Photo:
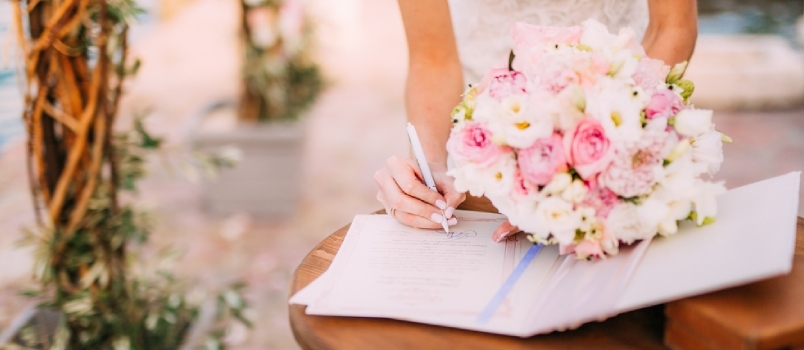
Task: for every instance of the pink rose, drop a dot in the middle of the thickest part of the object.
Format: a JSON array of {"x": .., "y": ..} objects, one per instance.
[
  {"x": 664, "y": 104},
  {"x": 528, "y": 35},
  {"x": 542, "y": 160},
  {"x": 588, "y": 148},
  {"x": 522, "y": 187},
  {"x": 501, "y": 83},
  {"x": 473, "y": 143},
  {"x": 602, "y": 200},
  {"x": 650, "y": 72}
]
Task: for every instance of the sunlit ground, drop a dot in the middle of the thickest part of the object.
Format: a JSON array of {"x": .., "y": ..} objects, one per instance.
[{"x": 190, "y": 60}]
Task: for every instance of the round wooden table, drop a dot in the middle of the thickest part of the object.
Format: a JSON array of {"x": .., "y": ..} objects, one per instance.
[{"x": 640, "y": 329}]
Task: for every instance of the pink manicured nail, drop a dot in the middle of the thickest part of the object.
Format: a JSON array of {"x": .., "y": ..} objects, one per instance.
[
  {"x": 452, "y": 221},
  {"x": 437, "y": 218},
  {"x": 502, "y": 237},
  {"x": 441, "y": 205},
  {"x": 448, "y": 213}
]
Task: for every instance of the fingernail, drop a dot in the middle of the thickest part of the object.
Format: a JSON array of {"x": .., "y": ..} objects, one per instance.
[
  {"x": 452, "y": 221},
  {"x": 448, "y": 213},
  {"x": 502, "y": 237},
  {"x": 437, "y": 218},
  {"x": 441, "y": 205}
]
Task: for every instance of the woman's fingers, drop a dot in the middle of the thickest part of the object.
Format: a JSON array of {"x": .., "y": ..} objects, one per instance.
[
  {"x": 505, "y": 230},
  {"x": 447, "y": 186},
  {"x": 405, "y": 208},
  {"x": 405, "y": 173}
]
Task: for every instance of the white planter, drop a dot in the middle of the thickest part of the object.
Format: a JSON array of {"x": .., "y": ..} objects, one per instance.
[{"x": 267, "y": 181}]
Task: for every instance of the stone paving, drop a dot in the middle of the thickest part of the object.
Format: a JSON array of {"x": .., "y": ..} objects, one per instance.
[{"x": 191, "y": 60}]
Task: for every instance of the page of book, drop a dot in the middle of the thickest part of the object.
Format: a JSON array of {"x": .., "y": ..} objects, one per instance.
[{"x": 386, "y": 269}]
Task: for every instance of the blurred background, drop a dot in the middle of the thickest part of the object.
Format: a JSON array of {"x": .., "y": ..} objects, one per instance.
[{"x": 748, "y": 66}]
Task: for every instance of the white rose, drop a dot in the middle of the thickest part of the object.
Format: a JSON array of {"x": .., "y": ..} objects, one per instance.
[
  {"x": 626, "y": 223},
  {"x": 554, "y": 216},
  {"x": 707, "y": 151},
  {"x": 705, "y": 199},
  {"x": 693, "y": 122}
]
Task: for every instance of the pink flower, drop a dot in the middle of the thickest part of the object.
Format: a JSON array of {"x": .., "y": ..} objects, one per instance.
[
  {"x": 600, "y": 199},
  {"x": 473, "y": 143},
  {"x": 588, "y": 148},
  {"x": 542, "y": 160},
  {"x": 522, "y": 187},
  {"x": 664, "y": 104},
  {"x": 502, "y": 83},
  {"x": 634, "y": 168},
  {"x": 528, "y": 35},
  {"x": 650, "y": 72}
]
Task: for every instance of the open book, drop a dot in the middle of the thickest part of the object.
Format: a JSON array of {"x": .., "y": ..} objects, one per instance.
[{"x": 465, "y": 280}]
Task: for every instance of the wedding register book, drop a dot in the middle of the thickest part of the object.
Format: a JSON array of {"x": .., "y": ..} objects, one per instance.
[{"x": 463, "y": 279}]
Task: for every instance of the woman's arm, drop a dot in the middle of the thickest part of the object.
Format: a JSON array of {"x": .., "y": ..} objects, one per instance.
[
  {"x": 434, "y": 87},
  {"x": 435, "y": 80},
  {"x": 672, "y": 30}
]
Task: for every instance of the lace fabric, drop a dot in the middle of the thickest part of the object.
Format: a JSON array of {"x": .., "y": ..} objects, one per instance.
[{"x": 482, "y": 26}]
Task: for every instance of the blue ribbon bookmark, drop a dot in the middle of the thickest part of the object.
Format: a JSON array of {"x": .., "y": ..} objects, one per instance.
[{"x": 498, "y": 298}]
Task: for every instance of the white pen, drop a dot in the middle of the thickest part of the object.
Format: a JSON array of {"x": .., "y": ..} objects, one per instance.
[{"x": 418, "y": 152}]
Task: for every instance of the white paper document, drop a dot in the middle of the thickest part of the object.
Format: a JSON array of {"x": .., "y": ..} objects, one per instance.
[{"x": 385, "y": 269}]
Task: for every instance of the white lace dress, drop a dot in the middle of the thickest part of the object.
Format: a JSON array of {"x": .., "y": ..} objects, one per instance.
[{"x": 482, "y": 26}]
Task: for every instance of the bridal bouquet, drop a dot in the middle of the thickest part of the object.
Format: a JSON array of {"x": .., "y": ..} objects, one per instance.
[{"x": 584, "y": 141}]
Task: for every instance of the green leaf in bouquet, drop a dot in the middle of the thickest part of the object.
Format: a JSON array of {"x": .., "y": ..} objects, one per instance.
[
  {"x": 706, "y": 221},
  {"x": 687, "y": 88},
  {"x": 676, "y": 73},
  {"x": 725, "y": 138}
]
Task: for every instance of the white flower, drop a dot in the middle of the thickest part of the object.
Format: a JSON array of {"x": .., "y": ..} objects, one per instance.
[
  {"x": 557, "y": 185},
  {"x": 496, "y": 179},
  {"x": 523, "y": 119},
  {"x": 554, "y": 216},
  {"x": 707, "y": 151},
  {"x": 575, "y": 192},
  {"x": 588, "y": 220},
  {"x": 627, "y": 222},
  {"x": 705, "y": 199},
  {"x": 571, "y": 103},
  {"x": 693, "y": 122},
  {"x": 616, "y": 106},
  {"x": 624, "y": 65},
  {"x": 486, "y": 108},
  {"x": 596, "y": 35},
  {"x": 462, "y": 180}
]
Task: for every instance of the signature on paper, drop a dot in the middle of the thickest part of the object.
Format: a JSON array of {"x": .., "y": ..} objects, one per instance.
[{"x": 454, "y": 235}]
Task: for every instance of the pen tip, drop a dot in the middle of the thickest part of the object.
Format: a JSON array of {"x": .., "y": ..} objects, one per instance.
[{"x": 445, "y": 226}]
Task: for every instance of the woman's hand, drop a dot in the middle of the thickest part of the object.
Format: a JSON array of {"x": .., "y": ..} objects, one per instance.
[
  {"x": 407, "y": 199},
  {"x": 505, "y": 230}
]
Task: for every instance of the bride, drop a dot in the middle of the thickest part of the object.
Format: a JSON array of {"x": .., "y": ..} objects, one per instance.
[{"x": 452, "y": 42}]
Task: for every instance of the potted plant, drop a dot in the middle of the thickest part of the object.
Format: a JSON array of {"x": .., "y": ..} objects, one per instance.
[
  {"x": 280, "y": 82},
  {"x": 75, "y": 63}
]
